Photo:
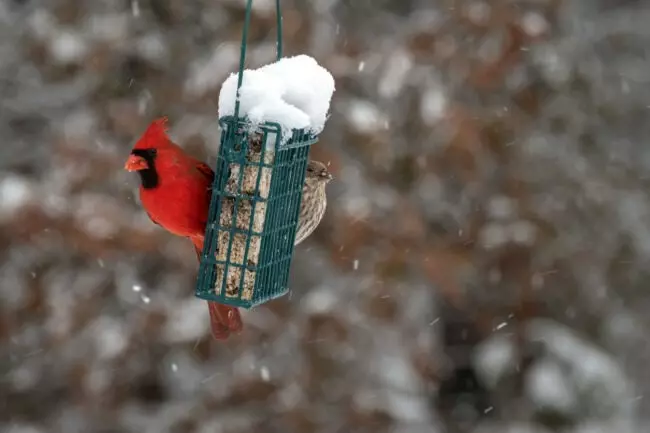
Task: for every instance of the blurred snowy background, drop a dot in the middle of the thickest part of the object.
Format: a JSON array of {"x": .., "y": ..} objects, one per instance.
[{"x": 482, "y": 266}]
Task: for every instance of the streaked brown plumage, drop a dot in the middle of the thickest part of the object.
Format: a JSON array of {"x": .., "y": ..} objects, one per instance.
[{"x": 314, "y": 199}]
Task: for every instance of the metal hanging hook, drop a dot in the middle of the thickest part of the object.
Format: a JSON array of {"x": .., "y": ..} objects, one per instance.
[{"x": 244, "y": 43}]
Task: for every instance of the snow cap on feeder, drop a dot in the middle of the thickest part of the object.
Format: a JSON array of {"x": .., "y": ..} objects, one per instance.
[{"x": 294, "y": 92}]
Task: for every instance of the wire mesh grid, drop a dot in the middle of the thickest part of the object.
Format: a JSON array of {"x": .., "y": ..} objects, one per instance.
[{"x": 254, "y": 213}]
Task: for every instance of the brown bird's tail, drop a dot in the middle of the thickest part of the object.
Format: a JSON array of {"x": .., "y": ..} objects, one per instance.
[{"x": 224, "y": 319}]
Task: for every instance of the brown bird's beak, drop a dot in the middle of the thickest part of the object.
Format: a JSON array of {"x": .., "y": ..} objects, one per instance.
[{"x": 135, "y": 163}]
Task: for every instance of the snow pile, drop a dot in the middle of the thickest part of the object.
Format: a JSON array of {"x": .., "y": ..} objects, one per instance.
[
  {"x": 294, "y": 92},
  {"x": 567, "y": 374},
  {"x": 16, "y": 192}
]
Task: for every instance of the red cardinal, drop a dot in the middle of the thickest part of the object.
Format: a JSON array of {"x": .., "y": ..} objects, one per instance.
[{"x": 175, "y": 192}]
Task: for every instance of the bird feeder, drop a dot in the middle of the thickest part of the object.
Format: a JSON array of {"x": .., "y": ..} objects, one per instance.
[{"x": 255, "y": 204}]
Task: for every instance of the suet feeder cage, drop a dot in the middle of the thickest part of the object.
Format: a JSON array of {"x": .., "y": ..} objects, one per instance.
[{"x": 255, "y": 204}]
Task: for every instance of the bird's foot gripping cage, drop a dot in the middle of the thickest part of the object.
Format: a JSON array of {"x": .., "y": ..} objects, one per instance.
[{"x": 255, "y": 206}]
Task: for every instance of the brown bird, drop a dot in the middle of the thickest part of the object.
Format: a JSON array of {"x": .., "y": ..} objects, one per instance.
[{"x": 314, "y": 199}]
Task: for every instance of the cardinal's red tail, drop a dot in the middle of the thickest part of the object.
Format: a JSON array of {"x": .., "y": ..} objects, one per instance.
[{"x": 224, "y": 319}]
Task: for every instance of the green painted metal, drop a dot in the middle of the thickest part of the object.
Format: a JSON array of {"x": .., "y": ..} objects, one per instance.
[{"x": 276, "y": 239}]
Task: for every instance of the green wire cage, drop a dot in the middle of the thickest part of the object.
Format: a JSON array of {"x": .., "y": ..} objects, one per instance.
[{"x": 255, "y": 205}]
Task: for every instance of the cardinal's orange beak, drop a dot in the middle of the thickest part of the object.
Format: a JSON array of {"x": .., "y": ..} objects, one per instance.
[{"x": 135, "y": 163}]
